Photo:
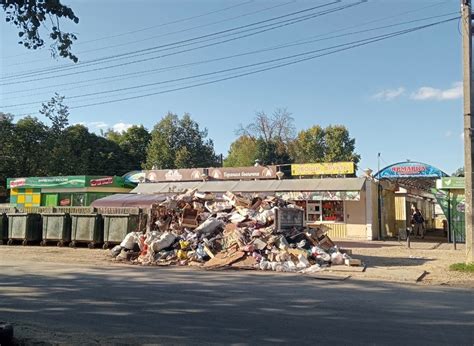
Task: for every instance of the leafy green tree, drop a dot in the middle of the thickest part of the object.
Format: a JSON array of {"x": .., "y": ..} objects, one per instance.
[
  {"x": 134, "y": 142},
  {"x": 30, "y": 15},
  {"x": 339, "y": 145},
  {"x": 179, "y": 143},
  {"x": 57, "y": 112},
  {"x": 309, "y": 145},
  {"x": 7, "y": 151},
  {"x": 272, "y": 135},
  {"x": 272, "y": 152},
  {"x": 242, "y": 152},
  {"x": 29, "y": 145}
]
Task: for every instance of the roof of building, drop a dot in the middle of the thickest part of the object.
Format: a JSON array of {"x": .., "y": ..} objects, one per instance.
[
  {"x": 128, "y": 200},
  {"x": 326, "y": 184}
]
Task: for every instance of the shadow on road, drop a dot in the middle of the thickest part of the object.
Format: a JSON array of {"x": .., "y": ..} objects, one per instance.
[{"x": 169, "y": 305}]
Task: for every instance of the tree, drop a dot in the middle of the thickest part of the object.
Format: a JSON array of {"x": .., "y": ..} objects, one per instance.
[
  {"x": 272, "y": 135},
  {"x": 7, "y": 150},
  {"x": 56, "y": 111},
  {"x": 331, "y": 144},
  {"x": 309, "y": 145},
  {"x": 339, "y": 145},
  {"x": 29, "y": 15},
  {"x": 242, "y": 152},
  {"x": 272, "y": 152},
  {"x": 29, "y": 144},
  {"x": 134, "y": 142},
  {"x": 279, "y": 126},
  {"x": 179, "y": 143},
  {"x": 459, "y": 172}
]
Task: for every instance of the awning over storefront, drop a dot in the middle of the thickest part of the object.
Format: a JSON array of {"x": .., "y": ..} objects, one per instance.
[
  {"x": 411, "y": 174},
  {"x": 128, "y": 200},
  {"x": 288, "y": 185}
]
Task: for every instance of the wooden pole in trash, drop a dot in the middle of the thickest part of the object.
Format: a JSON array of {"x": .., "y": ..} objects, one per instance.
[{"x": 468, "y": 124}]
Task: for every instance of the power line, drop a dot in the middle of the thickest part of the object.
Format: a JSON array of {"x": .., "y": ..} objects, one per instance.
[
  {"x": 201, "y": 75},
  {"x": 151, "y": 49},
  {"x": 151, "y": 27},
  {"x": 179, "y": 52},
  {"x": 281, "y": 46},
  {"x": 282, "y": 65},
  {"x": 351, "y": 46},
  {"x": 170, "y": 33}
]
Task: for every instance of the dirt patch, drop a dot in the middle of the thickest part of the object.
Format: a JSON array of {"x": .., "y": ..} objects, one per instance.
[
  {"x": 391, "y": 259},
  {"x": 385, "y": 260}
]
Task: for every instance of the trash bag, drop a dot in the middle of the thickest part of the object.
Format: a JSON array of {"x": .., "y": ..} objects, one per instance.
[
  {"x": 337, "y": 258},
  {"x": 129, "y": 241},
  {"x": 164, "y": 241},
  {"x": 115, "y": 251},
  {"x": 209, "y": 227}
]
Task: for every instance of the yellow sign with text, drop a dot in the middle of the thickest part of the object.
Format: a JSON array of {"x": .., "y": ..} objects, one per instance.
[{"x": 326, "y": 168}]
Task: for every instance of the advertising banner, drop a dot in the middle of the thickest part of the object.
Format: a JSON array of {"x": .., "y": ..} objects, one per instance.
[
  {"x": 326, "y": 168},
  {"x": 46, "y": 182},
  {"x": 221, "y": 173},
  {"x": 450, "y": 183},
  {"x": 410, "y": 170},
  {"x": 320, "y": 196},
  {"x": 242, "y": 173}
]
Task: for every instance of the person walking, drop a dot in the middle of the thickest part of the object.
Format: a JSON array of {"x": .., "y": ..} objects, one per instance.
[{"x": 418, "y": 221}]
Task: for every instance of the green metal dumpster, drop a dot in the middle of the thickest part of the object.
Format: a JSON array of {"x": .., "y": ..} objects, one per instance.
[
  {"x": 87, "y": 228},
  {"x": 3, "y": 228},
  {"x": 25, "y": 227},
  {"x": 56, "y": 227},
  {"x": 116, "y": 227}
]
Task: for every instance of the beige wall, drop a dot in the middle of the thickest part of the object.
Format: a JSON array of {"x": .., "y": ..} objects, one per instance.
[
  {"x": 356, "y": 218},
  {"x": 388, "y": 214},
  {"x": 375, "y": 211}
]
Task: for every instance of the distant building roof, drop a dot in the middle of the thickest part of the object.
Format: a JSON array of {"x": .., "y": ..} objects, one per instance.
[{"x": 327, "y": 184}]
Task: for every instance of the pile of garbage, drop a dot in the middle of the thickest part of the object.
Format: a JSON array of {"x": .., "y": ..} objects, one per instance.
[{"x": 199, "y": 229}]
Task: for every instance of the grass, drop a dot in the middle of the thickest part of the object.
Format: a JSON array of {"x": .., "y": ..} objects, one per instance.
[{"x": 463, "y": 267}]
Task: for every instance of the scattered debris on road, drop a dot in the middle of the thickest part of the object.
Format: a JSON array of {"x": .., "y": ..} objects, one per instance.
[{"x": 232, "y": 231}]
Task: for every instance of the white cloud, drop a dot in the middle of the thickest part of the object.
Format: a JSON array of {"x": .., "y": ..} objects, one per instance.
[
  {"x": 389, "y": 94},
  {"x": 429, "y": 93},
  {"x": 98, "y": 124},
  {"x": 461, "y": 135},
  {"x": 448, "y": 134},
  {"x": 121, "y": 127}
]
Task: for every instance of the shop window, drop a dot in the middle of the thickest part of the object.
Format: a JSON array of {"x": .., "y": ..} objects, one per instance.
[
  {"x": 78, "y": 199},
  {"x": 313, "y": 211},
  {"x": 65, "y": 199},
  {"x": 333, "y": 211}
]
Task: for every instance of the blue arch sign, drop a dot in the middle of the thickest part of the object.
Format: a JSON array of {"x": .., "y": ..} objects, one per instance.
[{"x": 410, "y": 169}]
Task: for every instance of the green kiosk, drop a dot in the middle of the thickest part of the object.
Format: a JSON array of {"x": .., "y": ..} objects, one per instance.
[{"x": 74, "y": 191}]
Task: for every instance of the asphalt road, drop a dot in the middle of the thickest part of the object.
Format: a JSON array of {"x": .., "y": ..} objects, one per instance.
[{"x": 133, "y": 305}]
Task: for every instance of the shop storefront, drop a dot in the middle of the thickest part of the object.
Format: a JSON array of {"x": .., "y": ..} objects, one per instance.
[
  {"x": 63, "y": 190},
  {"x": 347, "y": 206}
]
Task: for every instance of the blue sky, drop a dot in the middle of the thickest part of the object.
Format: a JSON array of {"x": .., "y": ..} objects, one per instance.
[{"x": 401, "y": 97}]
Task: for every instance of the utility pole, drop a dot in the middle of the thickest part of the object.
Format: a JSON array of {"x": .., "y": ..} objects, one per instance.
[{"x": 468, "y": 125}]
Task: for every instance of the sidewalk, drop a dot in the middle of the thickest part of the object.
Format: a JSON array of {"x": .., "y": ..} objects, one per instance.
[{"x": 427, "y": 261}]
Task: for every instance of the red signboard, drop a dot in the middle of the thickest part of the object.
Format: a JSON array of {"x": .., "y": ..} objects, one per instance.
[{"x": 102, "y": 181}]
